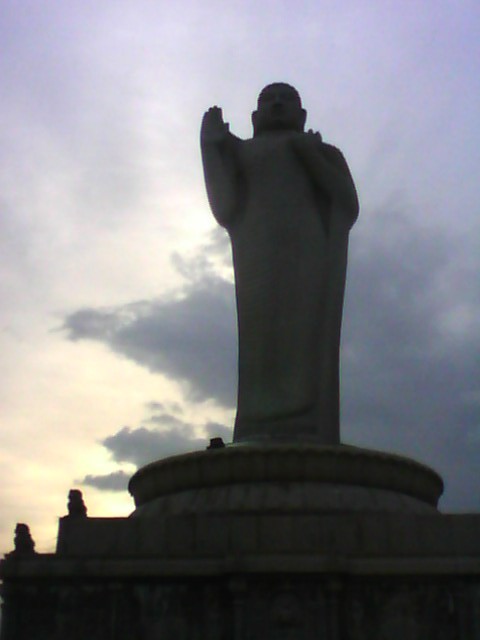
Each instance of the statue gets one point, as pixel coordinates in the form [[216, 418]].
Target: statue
[[24, 545], [76, 506], [288, 202]]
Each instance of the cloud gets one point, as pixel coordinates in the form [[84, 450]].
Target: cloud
[[115, 481], [141, 446], [189, 336], [411, 353], [174, 407], [166, 419]]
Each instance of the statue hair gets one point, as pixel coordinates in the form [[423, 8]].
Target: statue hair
[[279, 84]]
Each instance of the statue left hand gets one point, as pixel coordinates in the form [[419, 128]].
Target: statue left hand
[[329, 170]]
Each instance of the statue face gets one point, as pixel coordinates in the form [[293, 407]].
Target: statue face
[[279, 109]]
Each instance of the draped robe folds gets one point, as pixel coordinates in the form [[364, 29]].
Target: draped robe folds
[[290, 263]]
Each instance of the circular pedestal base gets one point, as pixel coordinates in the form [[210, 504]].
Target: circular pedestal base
[[289, 479]]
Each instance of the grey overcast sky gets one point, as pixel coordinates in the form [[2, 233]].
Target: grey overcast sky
[[118, 321]]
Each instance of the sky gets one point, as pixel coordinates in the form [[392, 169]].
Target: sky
[[117, 331]]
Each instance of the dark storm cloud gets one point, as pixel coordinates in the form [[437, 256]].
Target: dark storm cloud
[[411, 351], [410, 355], [190, 337]]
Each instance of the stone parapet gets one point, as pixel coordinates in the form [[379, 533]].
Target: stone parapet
[[253, 537]]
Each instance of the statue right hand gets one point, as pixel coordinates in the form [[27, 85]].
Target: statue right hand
[[214, 130]]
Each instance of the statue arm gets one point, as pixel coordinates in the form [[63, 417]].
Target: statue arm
[[220, 165], [329, 172]]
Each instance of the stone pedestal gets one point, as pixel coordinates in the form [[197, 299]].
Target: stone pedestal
[[252, 542], [289, 479]]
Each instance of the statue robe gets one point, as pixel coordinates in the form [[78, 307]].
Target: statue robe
[[290, 263]]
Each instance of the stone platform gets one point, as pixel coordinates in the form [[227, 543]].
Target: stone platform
[[249, 542]]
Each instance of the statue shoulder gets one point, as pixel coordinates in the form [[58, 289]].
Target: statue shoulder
[[335, 156]]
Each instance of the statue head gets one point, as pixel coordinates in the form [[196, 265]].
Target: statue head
[[279, 108]]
